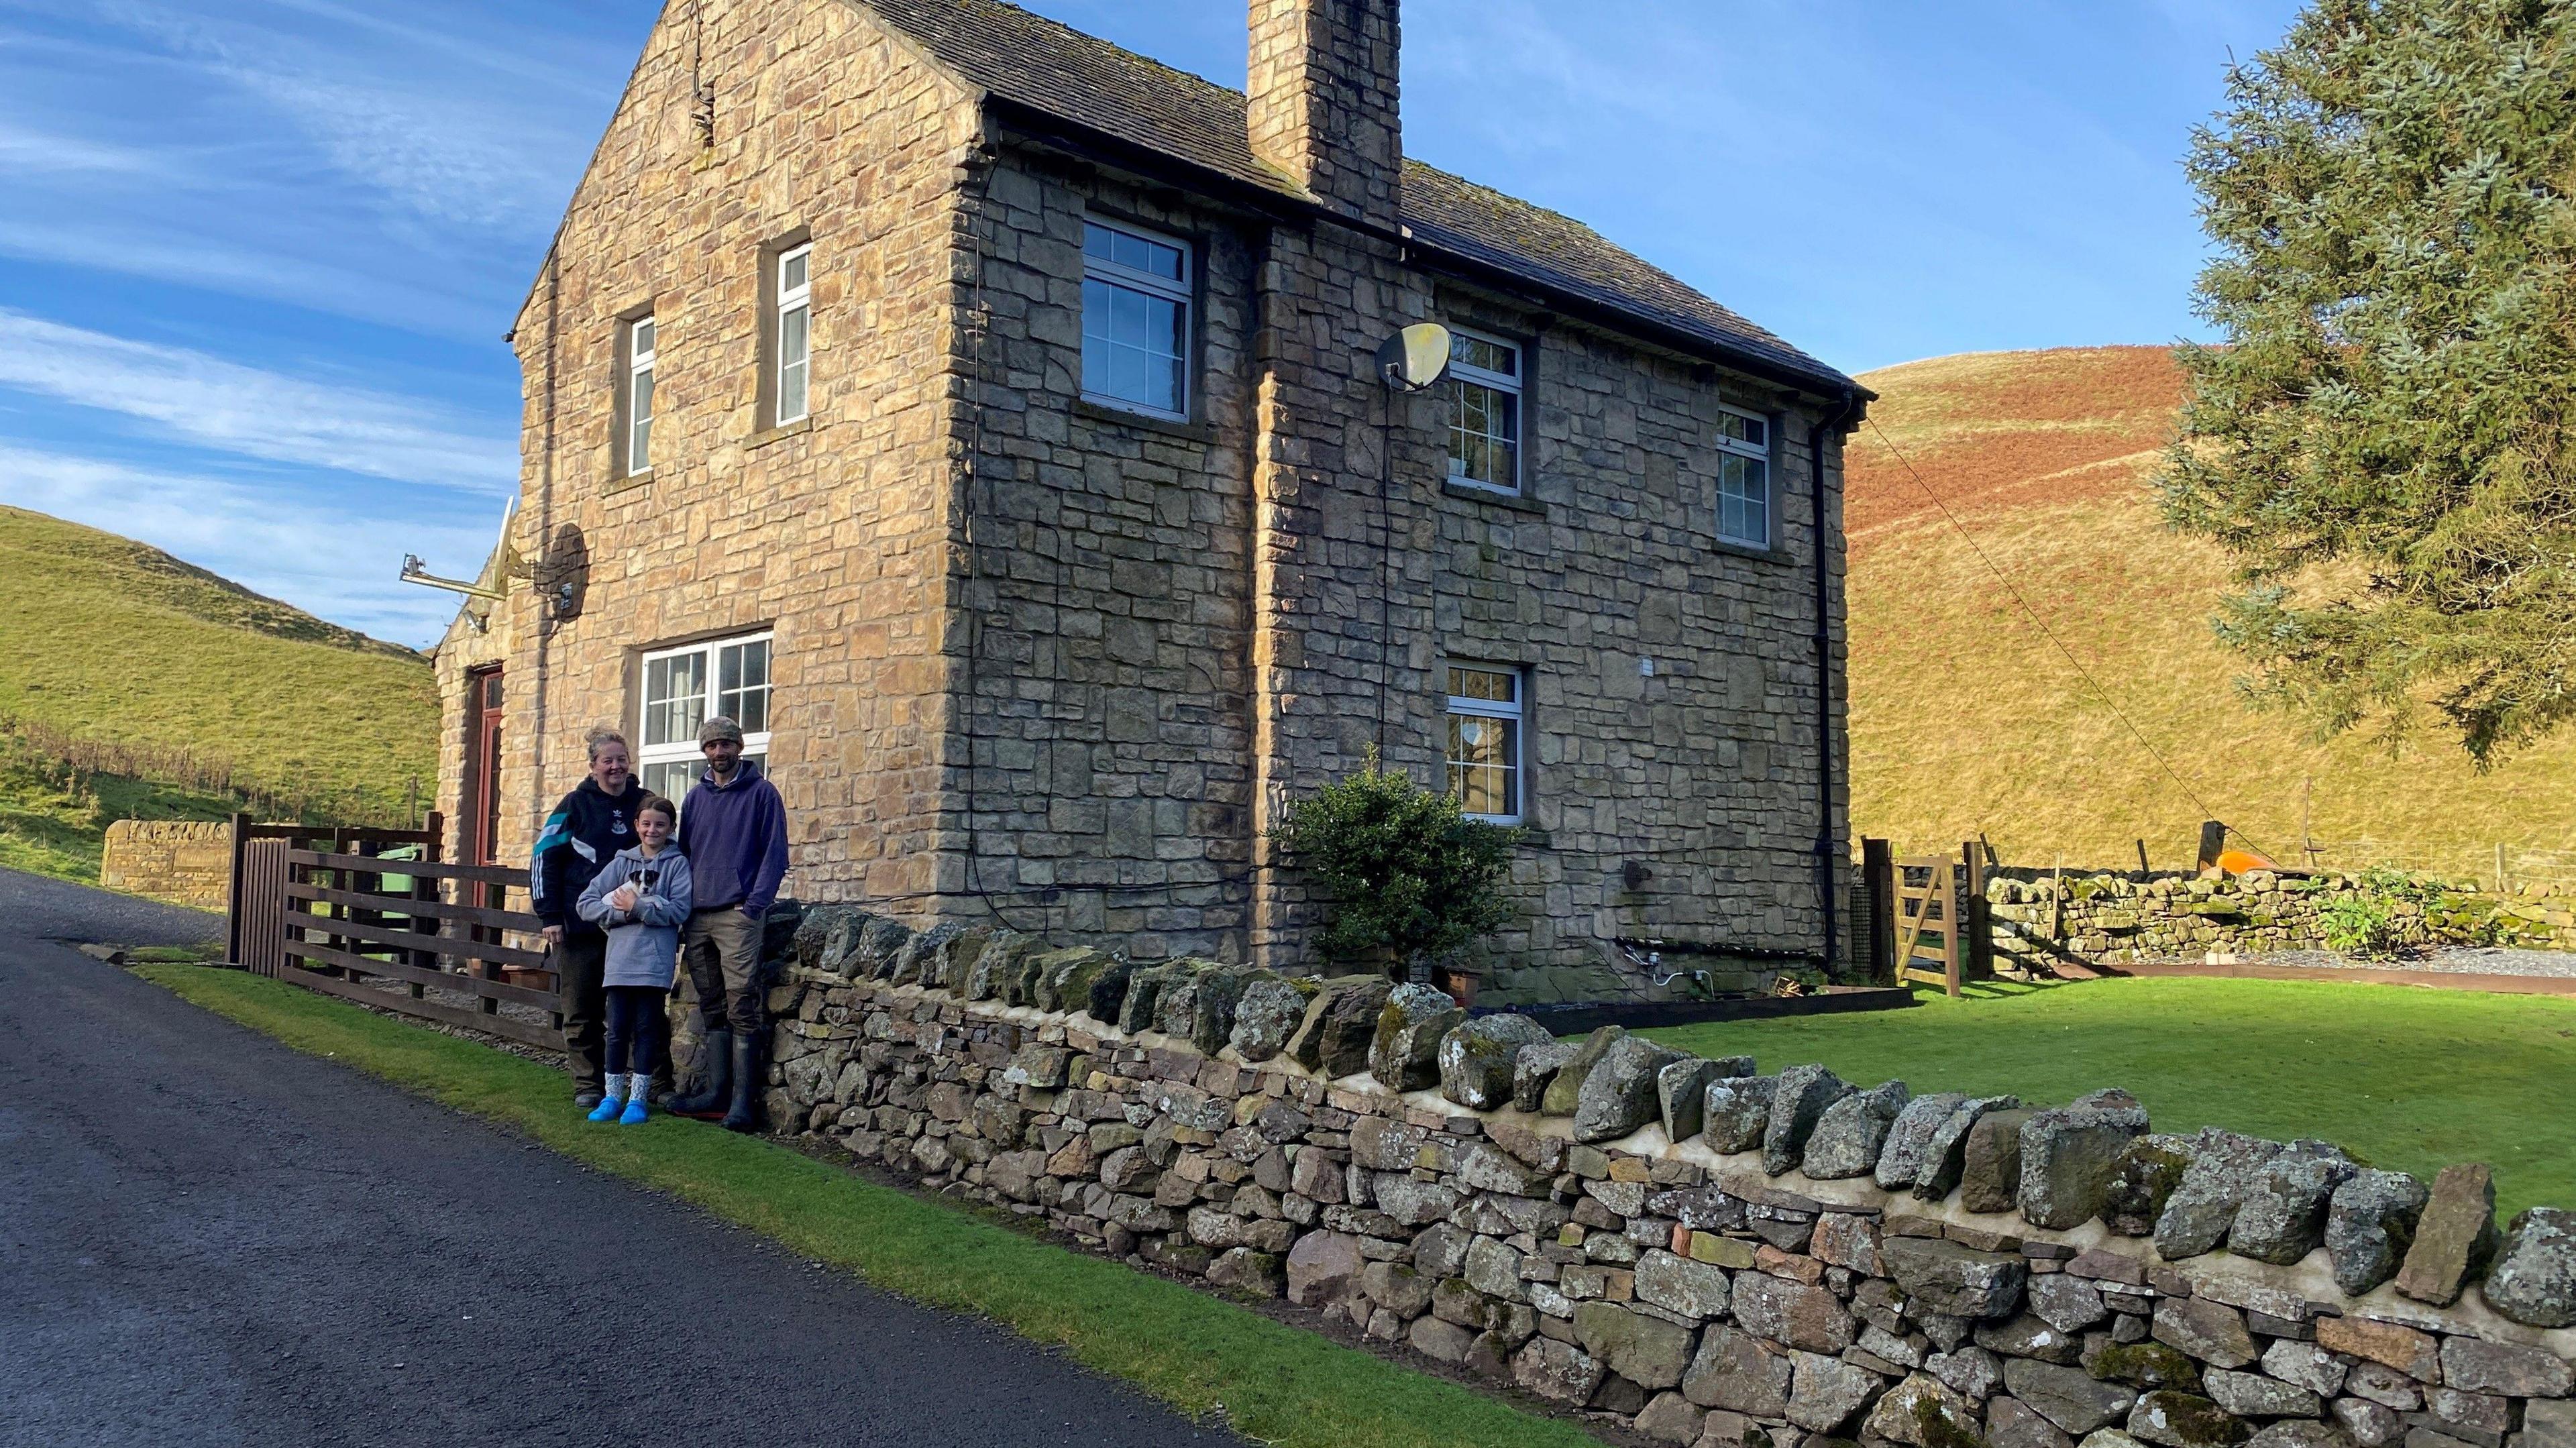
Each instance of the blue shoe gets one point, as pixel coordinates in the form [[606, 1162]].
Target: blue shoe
[[634, 1113], [608, 1109]]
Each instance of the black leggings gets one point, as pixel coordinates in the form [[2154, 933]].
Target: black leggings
[[634, 1027]]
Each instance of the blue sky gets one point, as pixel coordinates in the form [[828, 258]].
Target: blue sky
[[256, 256]]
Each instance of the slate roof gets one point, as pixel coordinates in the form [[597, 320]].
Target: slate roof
[[1100, 88]]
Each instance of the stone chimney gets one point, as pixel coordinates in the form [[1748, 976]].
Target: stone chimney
[[1324, 100]]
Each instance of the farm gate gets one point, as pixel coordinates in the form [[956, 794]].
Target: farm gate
[[374, 916], [1928, 918]]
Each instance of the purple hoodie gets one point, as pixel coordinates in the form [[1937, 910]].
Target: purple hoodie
[[735, 836]]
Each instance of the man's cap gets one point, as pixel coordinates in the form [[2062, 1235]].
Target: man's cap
[[717, 728]]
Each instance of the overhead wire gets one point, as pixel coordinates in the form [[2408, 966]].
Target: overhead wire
[[2187, 787]]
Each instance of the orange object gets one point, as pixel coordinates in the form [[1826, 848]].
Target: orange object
[[2238, 862]]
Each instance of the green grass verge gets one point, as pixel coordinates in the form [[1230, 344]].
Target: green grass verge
[[2410, 1079], [1275, 1383]]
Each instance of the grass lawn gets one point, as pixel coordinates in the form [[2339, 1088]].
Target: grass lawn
[[2406, 1078], [1275, 1383]]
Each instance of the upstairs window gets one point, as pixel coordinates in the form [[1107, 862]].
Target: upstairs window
[[638, 439], [1744, 478], [794, 331], [1485, 719], [683, 688], [1135, 320], [1484, 412]]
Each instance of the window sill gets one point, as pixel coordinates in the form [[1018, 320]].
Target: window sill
[[1124, 417], [628, 483], [1516, 502], [767, 436], [1747, 550]]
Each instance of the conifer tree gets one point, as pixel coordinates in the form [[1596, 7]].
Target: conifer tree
[[2383, 443]]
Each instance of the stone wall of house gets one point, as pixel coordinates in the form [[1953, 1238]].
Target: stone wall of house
[[832, 531], [1716, 1257], [481, 636], [1104, 692], [1185, 626], [2105, 916], [1057, 666], [189, 862]]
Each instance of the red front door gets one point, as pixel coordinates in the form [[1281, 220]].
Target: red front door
[[482, 799]]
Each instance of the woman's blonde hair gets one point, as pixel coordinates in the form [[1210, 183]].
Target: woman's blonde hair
[[605, 735]]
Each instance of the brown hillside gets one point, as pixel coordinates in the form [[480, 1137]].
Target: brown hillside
[[1966, 720], [1992, 431]]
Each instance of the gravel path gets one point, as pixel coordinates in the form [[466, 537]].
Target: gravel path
[[2450, 960], [208, 1238]]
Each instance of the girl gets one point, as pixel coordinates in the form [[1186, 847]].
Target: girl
[[641, 899]]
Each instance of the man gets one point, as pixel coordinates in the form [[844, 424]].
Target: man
[[587, 829], [733, 828]]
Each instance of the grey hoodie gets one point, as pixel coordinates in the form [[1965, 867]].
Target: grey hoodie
[[643, 942]]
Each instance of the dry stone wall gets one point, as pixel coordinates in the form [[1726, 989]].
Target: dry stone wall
[[1714, 1256], [2106, 916], [187, 861]]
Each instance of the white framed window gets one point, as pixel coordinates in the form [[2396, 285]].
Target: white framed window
[[795, 332], [686, 686], [640, 348], [1484, 412], [1135, 319], [1744, 477], [1486, 719]]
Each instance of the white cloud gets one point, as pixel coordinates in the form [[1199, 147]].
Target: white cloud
[[461, 135], [252, 412], [312, 552], [24, 151], [402, 170]]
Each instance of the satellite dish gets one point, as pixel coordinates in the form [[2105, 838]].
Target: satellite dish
[[1414, 358]]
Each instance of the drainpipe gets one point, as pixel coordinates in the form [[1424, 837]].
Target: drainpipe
[[1823, 427]]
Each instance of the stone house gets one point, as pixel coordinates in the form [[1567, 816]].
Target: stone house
[[988, 417]]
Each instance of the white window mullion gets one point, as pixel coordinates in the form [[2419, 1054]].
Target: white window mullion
[[641, 346], [1485, 412], [1486, 727], [795, 332], [1744, 477], [1135, 320], [686, 686]]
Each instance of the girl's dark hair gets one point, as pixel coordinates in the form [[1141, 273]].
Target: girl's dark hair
[[669, 810]]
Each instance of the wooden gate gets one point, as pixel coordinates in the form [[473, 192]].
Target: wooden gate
[[375, 917], [255, 906], [1940, 918]]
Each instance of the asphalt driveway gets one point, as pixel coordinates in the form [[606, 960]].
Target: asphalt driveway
[[206, 1238]]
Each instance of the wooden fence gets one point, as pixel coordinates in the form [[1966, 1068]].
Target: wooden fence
[[374, 916]]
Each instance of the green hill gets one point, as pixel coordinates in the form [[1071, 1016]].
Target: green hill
[[135, 685], [1967, 720]]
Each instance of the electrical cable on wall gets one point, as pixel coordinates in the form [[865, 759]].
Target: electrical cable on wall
[[1386, 560], [979, 347]]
